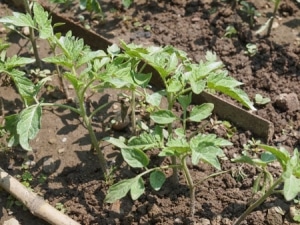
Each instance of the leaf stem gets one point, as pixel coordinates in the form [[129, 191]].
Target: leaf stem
[[259, 201]]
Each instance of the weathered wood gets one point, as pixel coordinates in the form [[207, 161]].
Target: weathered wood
[[33, 202]]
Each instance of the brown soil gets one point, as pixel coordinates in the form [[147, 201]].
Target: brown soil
[[74, 177]]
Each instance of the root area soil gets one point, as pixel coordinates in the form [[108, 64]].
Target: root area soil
[[66, 171]]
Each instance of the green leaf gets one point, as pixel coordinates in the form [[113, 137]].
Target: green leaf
[[59, 60], [19, 20], [29, 124], [177, 146], [259, 99], [89, 56], [135, 158], [127, 3], [281, 154], [137, 188], [119, 190], [227, 85], [207, 152], [198, 86], [154, 99], [185, 100], [201, 112], [163, 117], [157, 179], [174, 86], [144, 141], [206, 148], [120, 143], [16, 61], [42, 19], [11, 122], [25, 87], [291, 187], [141, 79], [267, 157]]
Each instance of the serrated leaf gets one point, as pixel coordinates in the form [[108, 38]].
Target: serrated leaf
[[157, 179], [29, 124], [198, 86], [135, 158], [119, 190], [11, 122], [137, 188], [42, 19], [201, 112], [89, 56], [207, 152], [25, 87], [206, 148], [144, 141], [19, 20], [16, 61], [59, 60], [163, 117]]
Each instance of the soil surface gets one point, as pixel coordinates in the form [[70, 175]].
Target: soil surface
[[61, 152]]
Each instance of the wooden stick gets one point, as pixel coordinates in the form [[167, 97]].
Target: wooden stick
[[33, 202]]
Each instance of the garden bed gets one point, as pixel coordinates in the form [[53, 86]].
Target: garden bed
[[75, 180]]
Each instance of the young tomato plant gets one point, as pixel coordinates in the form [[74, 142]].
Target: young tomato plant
[[82, 66], [288, 183], [181, 79]]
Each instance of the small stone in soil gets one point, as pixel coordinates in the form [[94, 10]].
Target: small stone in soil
[[61, 150], [204, 221], [11, 221], [287, 102], [49, 165]]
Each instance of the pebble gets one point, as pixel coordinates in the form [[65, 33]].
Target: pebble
[[26, 31], [49, 165], [287, 102], [204, 221], [274, 217], [11, 221], [52, 141], [61, 150]]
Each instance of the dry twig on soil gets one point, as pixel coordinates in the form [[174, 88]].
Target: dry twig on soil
[[33, 202]]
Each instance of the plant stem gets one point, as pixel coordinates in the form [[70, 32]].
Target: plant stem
[[259, 201], [191, 185], [277, 2], [133, 119], [173, 158], [32, 37], [103, 163], [87, 123]]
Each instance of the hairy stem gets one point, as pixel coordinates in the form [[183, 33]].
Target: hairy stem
[[191, 185], [32, 37], [133, 119], [277, 2]]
